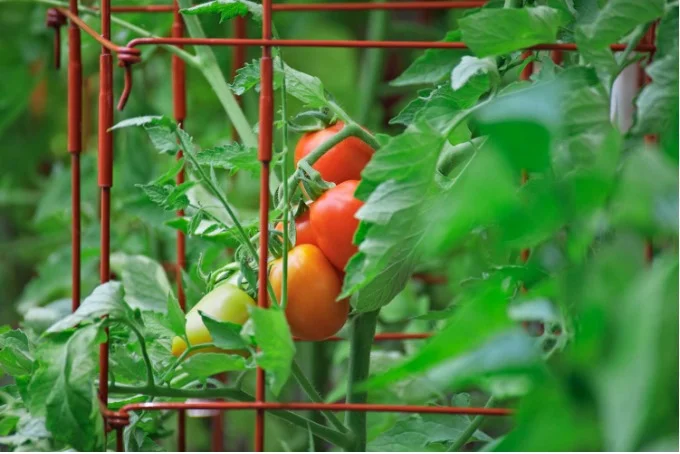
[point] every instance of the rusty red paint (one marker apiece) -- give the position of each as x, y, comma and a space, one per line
122, 416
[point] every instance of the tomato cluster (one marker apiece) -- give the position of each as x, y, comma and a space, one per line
323, 246
323, 243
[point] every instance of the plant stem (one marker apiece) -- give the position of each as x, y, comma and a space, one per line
187, 149
211, 70
471, 429
142, 344
361, 338
513, 4
286, 196
331, 435
372, 64
314, 395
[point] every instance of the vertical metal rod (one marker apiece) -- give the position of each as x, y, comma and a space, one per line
264, 156
105, 176
557, 57
179, 112
526, 75
120, 446
181, 427
644, 79
74, 146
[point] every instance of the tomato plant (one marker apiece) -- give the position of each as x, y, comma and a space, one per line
520, 205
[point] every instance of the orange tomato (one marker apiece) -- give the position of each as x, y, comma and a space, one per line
313, 286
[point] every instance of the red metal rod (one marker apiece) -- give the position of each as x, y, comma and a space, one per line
340, 6
179, 112
644, 79
104, 172
120, 446
74, 146
264, 155
381, 408
181, 429
350, 44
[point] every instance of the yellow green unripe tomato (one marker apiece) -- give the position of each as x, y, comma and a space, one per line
226, 303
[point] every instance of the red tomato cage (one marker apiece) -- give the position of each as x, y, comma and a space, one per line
129, 54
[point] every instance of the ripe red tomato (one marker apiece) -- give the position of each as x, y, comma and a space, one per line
303, 230
313, 285
334, 224
343, 162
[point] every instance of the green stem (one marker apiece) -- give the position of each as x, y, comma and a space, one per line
470, 430
372, 64
286, 196
211, 71
332, 436
314, 395
351, 129
140, 337
513, 4
361, 338
187, 147
320, 376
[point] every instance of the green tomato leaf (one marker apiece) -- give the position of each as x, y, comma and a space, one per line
643, 359
619, 17
397, 190
62, 389
15, 356
433, 66
204, 365
225, 335
277, 349
176, 316
413, 433
146, 285
106, 299
647, 204
657, 104
479, 317
304, 87
491, 32
473, 66
506, 366
227, 9
232, 157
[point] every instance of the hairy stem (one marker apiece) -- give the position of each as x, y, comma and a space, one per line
186, 147
471, 429
286, 196
314, 395
361, 339
142, 344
